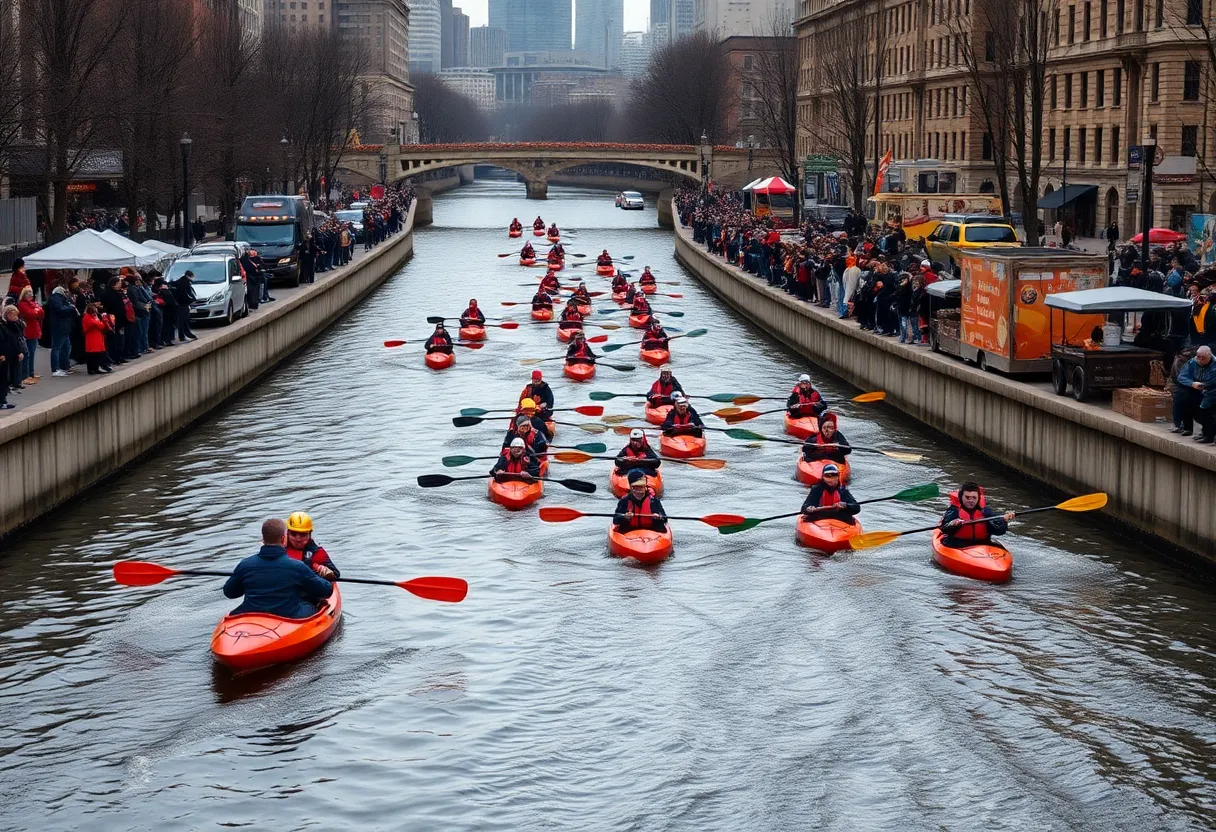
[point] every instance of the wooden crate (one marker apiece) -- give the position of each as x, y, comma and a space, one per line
1143, 404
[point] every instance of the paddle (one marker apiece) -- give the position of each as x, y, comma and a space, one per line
671, 313
908, 495
439, 480
558, 514
472, 345
741, 433
864, 398
143, 573
531, 362
1086, 502
603, 396
704, 463
586, 410
469, 421
435, 319
694, 333
587, 447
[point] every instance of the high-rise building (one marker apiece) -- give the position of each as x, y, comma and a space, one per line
533, 25
680, 17
486, 46
599, 26
285, 13
380, 28
733, 18
658, 13
476, 84
454, 31
635, 53
426, 36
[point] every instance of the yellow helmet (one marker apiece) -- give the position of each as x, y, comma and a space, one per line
299, 522
527, 404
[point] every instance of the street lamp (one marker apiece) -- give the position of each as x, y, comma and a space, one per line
283, 145
184, 144
751, 144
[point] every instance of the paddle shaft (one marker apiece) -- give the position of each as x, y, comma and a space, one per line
207, 573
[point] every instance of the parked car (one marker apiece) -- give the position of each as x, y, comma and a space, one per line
359, 206
355, 218
218, 283
630, 201
221, 247
957, 232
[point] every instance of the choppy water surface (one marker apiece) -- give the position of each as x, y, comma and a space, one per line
745, 684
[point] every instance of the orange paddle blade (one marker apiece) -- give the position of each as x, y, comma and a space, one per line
675, 295
723, 412
741, 417
509, 325
558, 514
745, 399
1086, 502
452, 590
706, 464
866, 398
573, 457
622, 430
590, 409
394, 342
717, 520
141, 573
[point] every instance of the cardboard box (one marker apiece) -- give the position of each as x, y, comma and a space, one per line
1143, 404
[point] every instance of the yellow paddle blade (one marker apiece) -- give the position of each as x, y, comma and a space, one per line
866, 398
573, 457
872, 540
1086, 502
529, 362
706, 464
727, 411
618, 419
902, 456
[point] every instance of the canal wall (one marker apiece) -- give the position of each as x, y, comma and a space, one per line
54, 449
1158, 484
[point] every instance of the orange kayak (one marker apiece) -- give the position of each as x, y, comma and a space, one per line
542, 314
810, 473
639, 321
656, 357
802, 427
556, 266
828, 535
252, 640
553, 239
606, 271
682, 447
565, 333
648, 288
619, 297
514, 233
657, 415
515, 495
538, 232
579, 372
440, 360
643, 545
620, 485
527, 261
473, 332
981, 561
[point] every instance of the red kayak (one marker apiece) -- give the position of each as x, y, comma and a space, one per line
440, 360
619, 297
565, 333
809, 473
557, 267
982, 561
606, 271
579, 372
682, 447
252, 640
620, 485
542, 314
657, 415
656, 357
553, 238
527, 261
802, 427
639, 321
584, 309
828, 535
648, 288
515, 495
643, 545
514, 232
473, 332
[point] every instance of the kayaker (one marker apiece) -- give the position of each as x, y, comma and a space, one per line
664, 387
631, 292
553, 258
274, 583
301, 547
804, 399
538, 224
639, 508
527, 407
647, 279
550, 284
682, 420
579, 351
571, 318
472, 314
439, 341
604, 259
541, 300
559, 250
539, 391
581, 295
527, 252
516, 225
655, 338
641, 306
829, 500
553, 232
637, 453
968, 503
828, 443
619, 283
517, 465
532, 438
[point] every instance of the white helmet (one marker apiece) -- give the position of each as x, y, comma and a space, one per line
803, 377
517, 442
636, 433
678, 397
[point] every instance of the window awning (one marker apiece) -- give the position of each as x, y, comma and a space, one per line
1063, 196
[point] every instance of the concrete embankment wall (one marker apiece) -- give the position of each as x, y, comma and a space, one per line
57, 449
1157, 485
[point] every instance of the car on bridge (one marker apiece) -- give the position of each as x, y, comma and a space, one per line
630, 201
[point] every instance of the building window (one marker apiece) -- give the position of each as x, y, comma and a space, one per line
1098, 145
1087, 21
989, 47
1152, 132
1190, 140
1068, 91
1100, 90
1118, 90
1054, 93
1055, 27
962, 141
1194, 12
1051, 143
1114, 146
747, 62
1081, 147
1190, 82
1102, 12
1072, 25
1155, 93
1159, 14
986, 151
1084, 90
1120, 14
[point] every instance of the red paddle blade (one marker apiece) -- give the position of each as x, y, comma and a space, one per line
558, 514
509, 325
394, 342
597, 339
452, 590
741, 417
141, 573
719, 520
590, 410
675, 295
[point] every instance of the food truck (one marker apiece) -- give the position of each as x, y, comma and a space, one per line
1003, 322
919, 214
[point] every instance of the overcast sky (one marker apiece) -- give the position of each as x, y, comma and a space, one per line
636, 12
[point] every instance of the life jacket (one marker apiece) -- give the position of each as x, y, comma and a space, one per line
620, 283
631, 452
538, 223
527, 252
976, 532
581, 296
578, 351
473, 313
516, 466
647, 279
542, 300
829, 497
572, 314
553, 229
530, 392
439, 340
641, 306
661, 389
550, 284
529, 440
641, 508
308, 553
681, 420
805, 398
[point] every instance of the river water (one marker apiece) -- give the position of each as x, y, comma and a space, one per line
745, 684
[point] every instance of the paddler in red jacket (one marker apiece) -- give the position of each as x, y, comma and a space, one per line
829, 500
301, 547
682, 420
472, 314
641, 306
604, 259
665, 386
553, 232
518, 464
550, 284
538, 224
619, 283
527, 252
647, 279
640, 508
804, 399
637, 453
571, 318
828, 443
966, 504
581, 295
516, 225
541, 300
631, 292
655, 338
579, 351
528, 408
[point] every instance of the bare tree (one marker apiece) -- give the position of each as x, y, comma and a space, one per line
683, 94
16, 90
775, 80
583, 121
445, 115
842, 124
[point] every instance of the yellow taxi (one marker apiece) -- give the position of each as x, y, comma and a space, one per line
959, 232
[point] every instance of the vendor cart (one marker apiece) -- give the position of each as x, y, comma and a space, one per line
1107, 363
945, 300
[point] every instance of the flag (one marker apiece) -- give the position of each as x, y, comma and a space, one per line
882, 172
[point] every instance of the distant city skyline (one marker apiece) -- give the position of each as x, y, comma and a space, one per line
637, 13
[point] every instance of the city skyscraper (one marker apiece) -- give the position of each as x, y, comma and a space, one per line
599, 26
658, 13
486, 46
533, 25
426, 36
454, 30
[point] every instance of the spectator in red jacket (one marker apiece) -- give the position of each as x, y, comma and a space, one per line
19, 280
95, 331
32, 314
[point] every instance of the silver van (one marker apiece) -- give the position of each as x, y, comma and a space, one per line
218, 284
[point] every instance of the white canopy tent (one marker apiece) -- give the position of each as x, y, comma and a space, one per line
144, 255
85, 250
1115, 299
167, 248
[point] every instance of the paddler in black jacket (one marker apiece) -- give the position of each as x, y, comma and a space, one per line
539, 391
533, 438
654, 337
804, 399
518, 464
682, 420
828, 443
527, 407
640, 508
579, 351
637, 453
829, 500
439, 341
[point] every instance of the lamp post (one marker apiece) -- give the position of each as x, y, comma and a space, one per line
1064, 187
184, 143
283, 145
751, 144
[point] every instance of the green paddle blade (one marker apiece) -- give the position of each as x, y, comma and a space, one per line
716, 397
918, 492
672, 313
457, 461
749, 523
592, 447
695, 333
473, 411
740, 433
601, 396
612, 347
